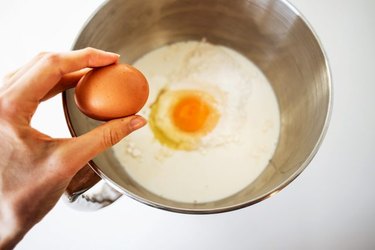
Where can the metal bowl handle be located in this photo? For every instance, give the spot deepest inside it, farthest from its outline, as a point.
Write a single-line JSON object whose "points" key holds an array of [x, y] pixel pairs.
{"points": [[87, 191]]}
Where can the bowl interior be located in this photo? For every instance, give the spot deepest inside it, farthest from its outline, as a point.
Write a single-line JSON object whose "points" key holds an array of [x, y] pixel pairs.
{"points": [[270, 33]]}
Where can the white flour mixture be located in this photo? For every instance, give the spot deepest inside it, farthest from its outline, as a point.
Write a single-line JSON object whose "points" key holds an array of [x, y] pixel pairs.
{"points": [[230, 153]]}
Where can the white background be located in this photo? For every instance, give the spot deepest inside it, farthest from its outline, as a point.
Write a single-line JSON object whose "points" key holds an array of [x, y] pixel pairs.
{"points": [[330, 206]]}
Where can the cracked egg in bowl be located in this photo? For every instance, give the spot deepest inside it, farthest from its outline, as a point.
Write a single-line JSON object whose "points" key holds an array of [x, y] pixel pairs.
{"points": [[213, 123]]}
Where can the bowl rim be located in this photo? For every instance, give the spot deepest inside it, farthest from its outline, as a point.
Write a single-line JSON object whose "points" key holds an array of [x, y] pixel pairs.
{"points": [[260, 198]]}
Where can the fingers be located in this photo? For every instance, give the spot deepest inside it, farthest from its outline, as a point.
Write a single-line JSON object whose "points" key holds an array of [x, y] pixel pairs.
{"points": [[49, 68], [85, 147], [68, 81], [12, 76], [16, 74]]}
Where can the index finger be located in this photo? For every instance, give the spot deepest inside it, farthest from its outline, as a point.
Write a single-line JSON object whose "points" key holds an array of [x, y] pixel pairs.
{"points": [[48, 70]]}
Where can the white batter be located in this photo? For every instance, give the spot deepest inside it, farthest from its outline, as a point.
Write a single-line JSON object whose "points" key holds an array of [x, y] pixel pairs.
{"points": [[233, 154]]}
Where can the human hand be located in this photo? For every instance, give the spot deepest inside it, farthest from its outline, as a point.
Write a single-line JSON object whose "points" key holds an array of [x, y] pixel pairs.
{"points": [[35, 169]]}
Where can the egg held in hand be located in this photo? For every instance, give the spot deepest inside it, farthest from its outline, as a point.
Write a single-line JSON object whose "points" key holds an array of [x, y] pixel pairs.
{"points": [[111, 92]]}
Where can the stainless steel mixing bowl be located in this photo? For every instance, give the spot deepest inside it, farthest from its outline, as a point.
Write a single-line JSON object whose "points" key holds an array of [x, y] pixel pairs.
{"points": [[271, 33]]}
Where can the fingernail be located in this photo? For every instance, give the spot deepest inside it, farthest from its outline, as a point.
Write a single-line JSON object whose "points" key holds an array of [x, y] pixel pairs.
{"points": [[137, 122]]}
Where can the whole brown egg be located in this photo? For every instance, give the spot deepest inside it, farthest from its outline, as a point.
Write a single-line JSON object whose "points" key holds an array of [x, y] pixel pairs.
{"points": [[111, 92]]}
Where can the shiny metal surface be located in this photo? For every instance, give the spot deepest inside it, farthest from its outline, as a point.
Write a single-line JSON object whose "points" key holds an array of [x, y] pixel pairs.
{"points": [[95, 198], [270, 33]]}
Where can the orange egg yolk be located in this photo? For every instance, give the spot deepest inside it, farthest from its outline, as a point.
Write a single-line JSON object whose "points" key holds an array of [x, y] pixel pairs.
{"points": [[179, 119], [192, 114]]}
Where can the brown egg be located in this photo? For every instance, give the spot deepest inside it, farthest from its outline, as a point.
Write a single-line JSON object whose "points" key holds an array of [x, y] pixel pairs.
{"points": [[111, 92]]}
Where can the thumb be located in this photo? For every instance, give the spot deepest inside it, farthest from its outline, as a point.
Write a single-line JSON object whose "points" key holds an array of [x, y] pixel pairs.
{"points": [[101, 138]]}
